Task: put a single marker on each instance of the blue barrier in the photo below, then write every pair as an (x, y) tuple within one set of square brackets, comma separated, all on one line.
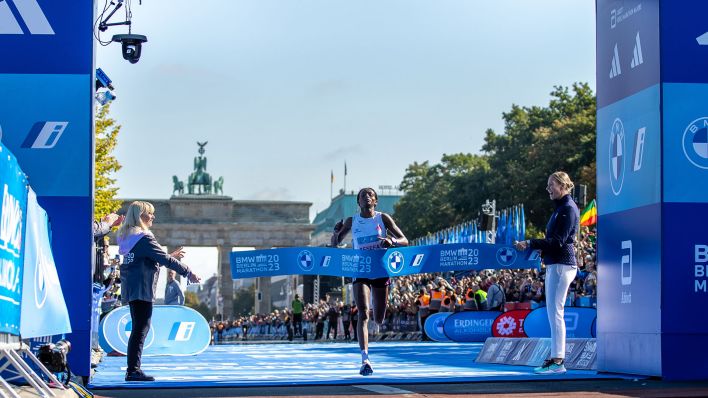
[(578, 322), (175, 330), (470, 326), (397, 261), (435, 326)]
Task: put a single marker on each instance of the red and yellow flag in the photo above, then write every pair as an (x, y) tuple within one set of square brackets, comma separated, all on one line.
[(589, 216)]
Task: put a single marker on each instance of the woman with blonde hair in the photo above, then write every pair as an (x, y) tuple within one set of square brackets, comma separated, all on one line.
[(142, 257), (558, 250)]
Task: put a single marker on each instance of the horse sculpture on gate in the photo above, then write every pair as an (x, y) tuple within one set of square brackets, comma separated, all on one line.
[(177, 186), (199, 181)]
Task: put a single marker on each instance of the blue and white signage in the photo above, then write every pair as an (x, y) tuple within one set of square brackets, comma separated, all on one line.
[(308, 261), (470, 326), (379, 263), (685, 143), (627, 48), (13, 216), (434, 326), (175, 330), (629, 153), (56, 127), (578, 322), (684, 57), (46, 37), (44, 310)]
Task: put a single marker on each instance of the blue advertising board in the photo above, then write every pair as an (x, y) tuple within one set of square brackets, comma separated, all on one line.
[(627, 48), (684, 41), (46, 115), (13, 216), (470, 326), (434, 326), (685, 142), (47, 37), (629, 152), (46, 121), (175, 330), (578, 322)]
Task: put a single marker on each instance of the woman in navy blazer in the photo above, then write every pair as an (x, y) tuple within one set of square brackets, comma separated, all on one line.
[(558, 250)]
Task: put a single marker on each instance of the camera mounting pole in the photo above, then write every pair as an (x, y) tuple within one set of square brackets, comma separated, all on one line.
[(103, 26)]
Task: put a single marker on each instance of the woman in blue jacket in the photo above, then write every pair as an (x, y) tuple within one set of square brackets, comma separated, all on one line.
[(558, 250), (142, 257)]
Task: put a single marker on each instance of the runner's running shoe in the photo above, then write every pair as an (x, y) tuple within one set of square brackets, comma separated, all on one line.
[(550, 367)]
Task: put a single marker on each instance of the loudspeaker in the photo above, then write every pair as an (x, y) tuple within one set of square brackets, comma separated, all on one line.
[(487, 222)]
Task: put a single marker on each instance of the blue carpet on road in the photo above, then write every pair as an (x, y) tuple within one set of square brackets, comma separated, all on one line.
[(311, 364)]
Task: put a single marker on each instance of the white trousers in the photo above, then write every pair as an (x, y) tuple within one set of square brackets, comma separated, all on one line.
[(558, 279)]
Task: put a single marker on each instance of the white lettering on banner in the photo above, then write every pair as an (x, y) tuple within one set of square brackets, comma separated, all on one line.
[(474, 325), (11, 224), (9, 276), (356, 263), (461, 257), (700, 255), (257, 263), (619, 15)]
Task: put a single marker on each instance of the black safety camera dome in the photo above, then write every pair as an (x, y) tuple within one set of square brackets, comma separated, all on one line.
[(131, 46)]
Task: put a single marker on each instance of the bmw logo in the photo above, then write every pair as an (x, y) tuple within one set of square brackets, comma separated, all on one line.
[(617, 152), (395, 262), (695, 142), (506, 256), (306, 260)]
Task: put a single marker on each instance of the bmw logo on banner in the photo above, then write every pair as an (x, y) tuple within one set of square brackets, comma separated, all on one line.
[(695, 142), (306, 260), (395, 262), (617, 150), (434, 326), (506, 256)]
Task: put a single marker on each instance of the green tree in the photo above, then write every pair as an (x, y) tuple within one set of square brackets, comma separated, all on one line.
[(512, 168), (106, 164), (244, 301), (191, 300)]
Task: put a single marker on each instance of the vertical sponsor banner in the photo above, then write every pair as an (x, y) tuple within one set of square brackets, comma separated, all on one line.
[(13, 213), (629, 186), (44, 310), (46, 120), (684, 37)]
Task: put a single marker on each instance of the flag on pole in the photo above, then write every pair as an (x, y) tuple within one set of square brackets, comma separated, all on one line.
[(589, 216), (345, 168), (331, 179)]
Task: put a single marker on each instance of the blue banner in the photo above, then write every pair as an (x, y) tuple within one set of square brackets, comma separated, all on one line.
[(379, 263), (12, 223), (578, 322), (686, 141), (175, 330), (435, 326), (627, 48), (470, 326), (46, 37), (44, 310), (684, 57), (629, 152)]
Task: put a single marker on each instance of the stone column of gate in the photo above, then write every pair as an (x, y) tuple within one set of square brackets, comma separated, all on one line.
[(226, 282)]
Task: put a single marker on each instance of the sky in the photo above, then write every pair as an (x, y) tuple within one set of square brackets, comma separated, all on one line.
[(285, 92)]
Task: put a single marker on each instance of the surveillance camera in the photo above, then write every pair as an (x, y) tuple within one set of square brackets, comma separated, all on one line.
[(131, 46), (102, 80)]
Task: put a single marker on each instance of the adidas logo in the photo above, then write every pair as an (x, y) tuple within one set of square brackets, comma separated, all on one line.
[(703, 39), (637, 58), (615, 70), (29, 13)]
